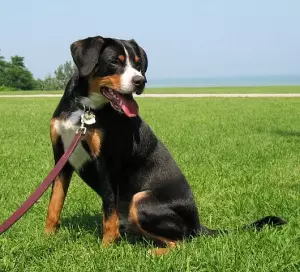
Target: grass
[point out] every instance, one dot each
(30, 92)
(263, 89)
(241, 157)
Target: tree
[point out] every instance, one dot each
(39, 84)
(19, 77)
(17, 61)
(50, 83)
(63, 73)
(2, 60)
(14, 74)
(3, 65)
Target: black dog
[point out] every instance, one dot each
(120, 157)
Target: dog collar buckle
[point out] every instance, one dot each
(88, 118)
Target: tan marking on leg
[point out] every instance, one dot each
(133, 218)
(133, 211)
(53, 132)
(94, 140)
(163, 251)
(59, 192)
(110, 228)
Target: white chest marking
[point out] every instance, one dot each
(66, 129)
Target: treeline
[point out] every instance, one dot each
(15, 76)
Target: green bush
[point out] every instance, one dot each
(8, 89)
(15, 76)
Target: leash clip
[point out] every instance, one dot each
(87, 118)
(81, 130)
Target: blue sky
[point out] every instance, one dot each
(190, 38)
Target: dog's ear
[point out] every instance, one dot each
(143, 55)
(85, 54)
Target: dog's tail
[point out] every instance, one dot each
(258, 225)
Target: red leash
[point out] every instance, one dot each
(45, 184)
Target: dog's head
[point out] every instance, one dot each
(115, 69)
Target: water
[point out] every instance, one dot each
(225, 81)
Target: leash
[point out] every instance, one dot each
(46, 182)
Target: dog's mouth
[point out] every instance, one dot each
(121, 102)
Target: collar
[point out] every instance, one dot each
(82, 107)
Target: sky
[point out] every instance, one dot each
(182, 38)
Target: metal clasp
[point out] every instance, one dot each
(87, 118)
(82, 130)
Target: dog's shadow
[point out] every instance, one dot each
(287, 133)
(92, 223)
(87, 222)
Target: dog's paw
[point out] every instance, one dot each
(51, 229)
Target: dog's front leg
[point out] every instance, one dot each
(96, 175)
(60, 185)
(110, 214)
(110, 218)
(98, 178)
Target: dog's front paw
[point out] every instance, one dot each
(51, 228)
(109, 238)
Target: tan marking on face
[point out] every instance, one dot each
(122, 58)
(94, 141)
(136, 59)
(112, 82)
(110, 228)
(53, 132)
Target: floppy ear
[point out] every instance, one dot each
(143, 55)
(85, 54)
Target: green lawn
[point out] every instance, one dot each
(264, 89)
(241, 157)
(30, 92)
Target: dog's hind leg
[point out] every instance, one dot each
(156, 221)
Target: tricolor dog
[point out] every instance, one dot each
(120, 157)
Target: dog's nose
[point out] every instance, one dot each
(138, 81)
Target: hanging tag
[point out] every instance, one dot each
(88, 118)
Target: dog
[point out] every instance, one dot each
(120, 157)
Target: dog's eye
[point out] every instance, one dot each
(117, 62)
(114, 63)
(138, 65)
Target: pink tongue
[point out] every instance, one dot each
(130, 107)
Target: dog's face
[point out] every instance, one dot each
(115, 69)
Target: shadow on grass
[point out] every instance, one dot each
(93, 224)
(287, 133)
(86, 222)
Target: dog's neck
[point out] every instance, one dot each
(78, 93)
(93, 101)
